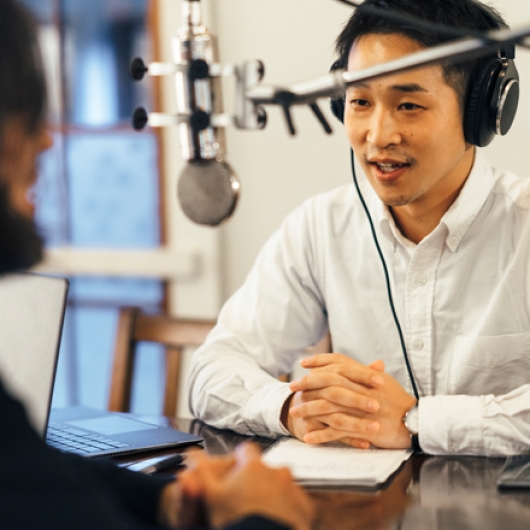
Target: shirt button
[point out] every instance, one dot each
(418, 344)
(421, 280)
(453, 240)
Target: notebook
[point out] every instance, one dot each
(32, 311)
(335, 464)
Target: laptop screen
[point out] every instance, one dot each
(31, 318)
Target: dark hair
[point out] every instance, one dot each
(22, 94)
(470, 15)
(22, 81)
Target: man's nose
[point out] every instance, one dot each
(383, 129)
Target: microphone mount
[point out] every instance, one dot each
(248, 115)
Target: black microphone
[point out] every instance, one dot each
(208, 188)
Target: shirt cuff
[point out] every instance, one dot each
(451, 425)
(264, 409)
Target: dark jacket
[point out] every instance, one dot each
(41, 488)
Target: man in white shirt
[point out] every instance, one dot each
(455, 235)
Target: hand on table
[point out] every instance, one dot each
(181, 504)
(235, 487)
(343, 400)
(299, 425)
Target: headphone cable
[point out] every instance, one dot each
(387, 278)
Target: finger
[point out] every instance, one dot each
(247, 452)
(350, 425)
(334, 399)
(324, 359)
(329, 434)
(357, 443)
(306, 425)
(333, 435)
(194, 458)
(378, 366)
(190, 483)
(202, 478)
(317, 380)
(353, 371)
(214, 467)
(317, 407)
(221, 465)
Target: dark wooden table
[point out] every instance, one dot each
(431, 493)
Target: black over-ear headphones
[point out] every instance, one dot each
(491, 102)
(492, 99)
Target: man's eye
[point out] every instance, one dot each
(409, 106)
(360, 103)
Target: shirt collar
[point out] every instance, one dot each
(469, 201)
(388, 226)
(458, 217)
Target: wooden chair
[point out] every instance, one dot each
(175, 334)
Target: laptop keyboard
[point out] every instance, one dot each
(72, 440)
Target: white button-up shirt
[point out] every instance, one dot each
(462, 298)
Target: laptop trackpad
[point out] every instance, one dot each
(112, 425)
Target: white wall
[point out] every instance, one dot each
(510, 152)
(294, 38)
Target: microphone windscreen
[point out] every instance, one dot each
(208, 191)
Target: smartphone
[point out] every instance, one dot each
(157, 463)
(515, 473)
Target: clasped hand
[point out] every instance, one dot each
(342, 400)
(218, 491)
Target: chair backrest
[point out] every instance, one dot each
(173, 333)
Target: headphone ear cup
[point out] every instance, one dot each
(507, 99)
(337, 108)
(337, 104)
(478, 105)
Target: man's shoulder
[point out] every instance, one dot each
(337, 200)
(333, 213)
(512, 186)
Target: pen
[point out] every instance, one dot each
(157, 463)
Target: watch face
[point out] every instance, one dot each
(412, 420)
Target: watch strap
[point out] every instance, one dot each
(415, 443)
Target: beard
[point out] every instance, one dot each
(20, 244)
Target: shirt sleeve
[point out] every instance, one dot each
(261, 333)
(476, 425)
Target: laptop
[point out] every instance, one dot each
(32, 309)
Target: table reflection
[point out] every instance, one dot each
(434, 493)
(461, 493)
(370, 510)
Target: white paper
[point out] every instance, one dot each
(335, 463)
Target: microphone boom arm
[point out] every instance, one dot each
(336, 83)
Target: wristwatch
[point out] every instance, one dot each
(411, 421)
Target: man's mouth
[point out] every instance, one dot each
(389, 168)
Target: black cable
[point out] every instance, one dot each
(419, 23)
(387, 278)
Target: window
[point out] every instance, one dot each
(99, 184)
